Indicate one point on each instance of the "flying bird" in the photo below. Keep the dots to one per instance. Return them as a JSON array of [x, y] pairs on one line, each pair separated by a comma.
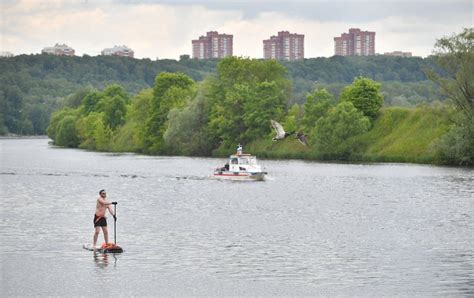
[[280, 132], [302, 138]]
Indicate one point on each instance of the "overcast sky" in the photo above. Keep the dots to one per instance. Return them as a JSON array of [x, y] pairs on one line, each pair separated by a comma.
[[165, 28]]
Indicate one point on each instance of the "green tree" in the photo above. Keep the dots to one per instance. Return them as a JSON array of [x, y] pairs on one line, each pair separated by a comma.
[[171, 90], [75, 99], [316, 106], [90, 102], [187, 133], [3, 104], [265, 103], [56, 118], [365, 95], [293, 119], [455, 56], [86, 127], [102, 135], [38, 115], [67, 133], [137, 118], [246, 95], [12, 108], [333, 132], [115, 110]]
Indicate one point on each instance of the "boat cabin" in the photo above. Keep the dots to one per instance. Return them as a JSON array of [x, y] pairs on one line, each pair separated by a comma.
[[241, 162]]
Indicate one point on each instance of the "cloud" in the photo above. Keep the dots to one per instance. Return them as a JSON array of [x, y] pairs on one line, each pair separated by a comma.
[[165, 29]]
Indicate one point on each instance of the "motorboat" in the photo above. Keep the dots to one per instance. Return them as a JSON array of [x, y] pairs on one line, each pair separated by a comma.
[[241, 166]]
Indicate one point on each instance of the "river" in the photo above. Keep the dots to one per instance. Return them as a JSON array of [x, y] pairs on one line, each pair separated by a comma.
[[318, 229]]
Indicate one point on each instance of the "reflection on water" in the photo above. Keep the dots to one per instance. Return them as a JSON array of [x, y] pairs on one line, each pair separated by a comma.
[[103, 260], [311, 229]]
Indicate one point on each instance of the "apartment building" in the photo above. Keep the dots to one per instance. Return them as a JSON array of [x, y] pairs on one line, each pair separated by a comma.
[[59, 50], [355, 43], [122, 51], [284, 46], [213, 45]]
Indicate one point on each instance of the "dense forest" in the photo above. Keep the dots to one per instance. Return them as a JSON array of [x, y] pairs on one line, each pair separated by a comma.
[[33, 86]]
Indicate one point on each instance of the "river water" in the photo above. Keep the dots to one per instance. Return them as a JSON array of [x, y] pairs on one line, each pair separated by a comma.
[[317, 229]]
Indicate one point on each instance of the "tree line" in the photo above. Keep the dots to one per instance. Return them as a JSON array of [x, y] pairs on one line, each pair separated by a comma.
[[32, 86], [181, 116]]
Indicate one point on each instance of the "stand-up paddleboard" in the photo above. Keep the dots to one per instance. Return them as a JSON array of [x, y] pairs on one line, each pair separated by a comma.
[[111, 248]]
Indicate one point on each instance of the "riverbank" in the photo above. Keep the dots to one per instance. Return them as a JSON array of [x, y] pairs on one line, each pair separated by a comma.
[[398, 135]]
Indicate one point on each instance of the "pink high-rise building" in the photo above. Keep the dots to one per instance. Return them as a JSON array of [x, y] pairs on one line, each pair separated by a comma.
[[285, 46], [355, 43], [213, 45]]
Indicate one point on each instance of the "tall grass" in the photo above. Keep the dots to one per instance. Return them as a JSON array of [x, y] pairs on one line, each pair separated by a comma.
[[403, 135]]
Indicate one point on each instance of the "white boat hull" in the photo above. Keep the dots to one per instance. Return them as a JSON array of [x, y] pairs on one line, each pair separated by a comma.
[[240, 176]]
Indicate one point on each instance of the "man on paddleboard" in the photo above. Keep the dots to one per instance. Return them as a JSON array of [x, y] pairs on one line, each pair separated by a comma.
[[100, 220]]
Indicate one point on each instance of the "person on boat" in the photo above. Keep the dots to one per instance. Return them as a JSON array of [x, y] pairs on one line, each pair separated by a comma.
[[100, 221], [239, 149]]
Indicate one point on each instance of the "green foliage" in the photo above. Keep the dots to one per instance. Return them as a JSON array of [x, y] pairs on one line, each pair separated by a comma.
[[96, 119], [66, 132], [457, 145], [246, 95], [293, 119], [284, 149], [178, 116], [410, 94], [86, 129], [90, 102], [75, 99], [455, 57], [316, 106], [48, 80], [187, 133], [102, 136], [55, 119], [365, 95], [332, 133], [136, 124], [171, 90], [114, 109]]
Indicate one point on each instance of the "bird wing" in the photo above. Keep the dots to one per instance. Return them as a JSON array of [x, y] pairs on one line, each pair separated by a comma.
[[302, 138], [278, 128]]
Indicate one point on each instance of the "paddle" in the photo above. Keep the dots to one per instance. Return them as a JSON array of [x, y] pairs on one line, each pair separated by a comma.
[[115, 220]]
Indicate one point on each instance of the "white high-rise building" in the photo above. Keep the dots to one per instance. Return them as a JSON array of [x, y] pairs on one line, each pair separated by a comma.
[[123, 51], [59, 50]]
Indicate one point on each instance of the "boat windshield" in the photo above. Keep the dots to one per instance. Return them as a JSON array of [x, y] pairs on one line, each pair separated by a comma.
[[248, 160]]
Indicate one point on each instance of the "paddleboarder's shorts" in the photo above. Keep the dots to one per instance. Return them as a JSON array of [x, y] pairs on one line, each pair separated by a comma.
[[99, 221]]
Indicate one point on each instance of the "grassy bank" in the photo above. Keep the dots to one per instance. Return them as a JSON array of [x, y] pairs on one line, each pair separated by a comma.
[[398, 135]]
